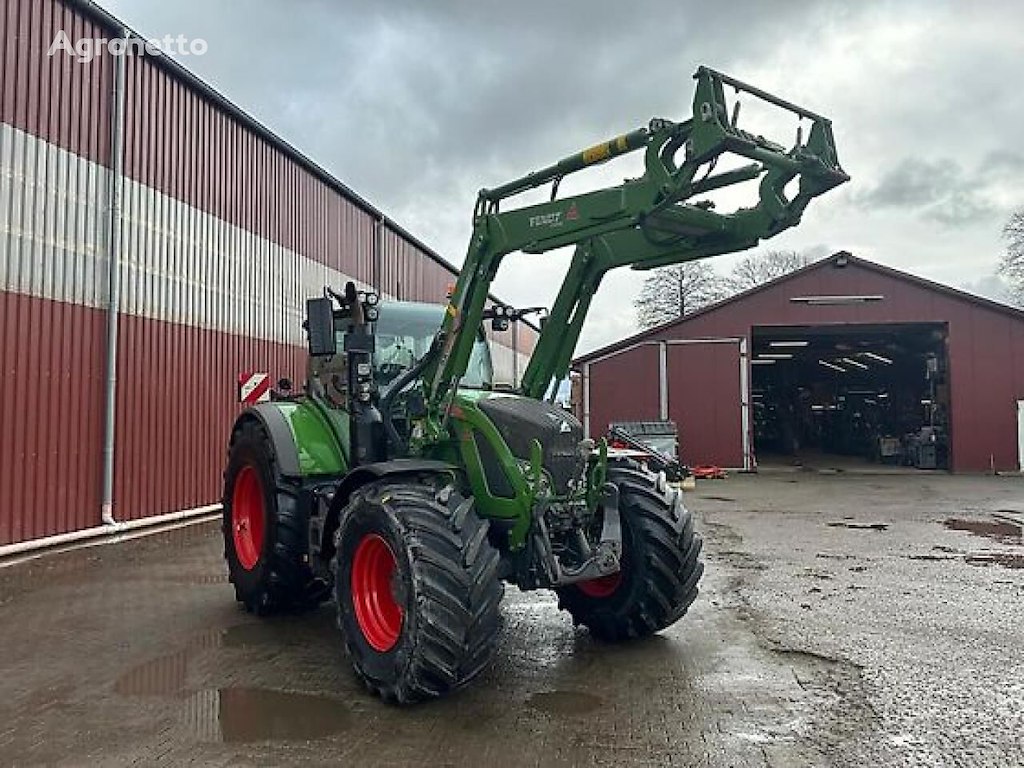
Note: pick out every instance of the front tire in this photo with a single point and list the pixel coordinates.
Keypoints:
(417, 589)
(660, 567)
(264, 529)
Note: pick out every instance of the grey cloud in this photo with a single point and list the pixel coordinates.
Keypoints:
(990, 287)
(417, 105)
(913, 183)
(962, 207)
(938, 190)
(378, 92)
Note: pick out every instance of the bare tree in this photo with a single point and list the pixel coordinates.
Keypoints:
(1011, 265)
(758, 268)
(677, 290)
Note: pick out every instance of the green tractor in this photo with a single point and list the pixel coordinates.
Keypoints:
(401, 483)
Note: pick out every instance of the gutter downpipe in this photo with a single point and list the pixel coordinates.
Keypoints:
(114, 281)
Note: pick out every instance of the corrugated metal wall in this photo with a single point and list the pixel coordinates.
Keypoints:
(225, 231)
(65, 102)
(702, 395)
(623, 387)
(706, 402)
(54, 144)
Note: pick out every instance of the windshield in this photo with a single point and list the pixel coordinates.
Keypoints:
(404, 334)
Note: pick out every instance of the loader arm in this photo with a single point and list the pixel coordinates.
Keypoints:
(643, 223)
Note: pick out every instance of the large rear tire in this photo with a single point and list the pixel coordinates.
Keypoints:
(264, 529)
(660, 563)
(417, 588)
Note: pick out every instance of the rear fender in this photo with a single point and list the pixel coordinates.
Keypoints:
(305, 442)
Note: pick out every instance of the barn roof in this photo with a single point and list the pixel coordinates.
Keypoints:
(831, 261)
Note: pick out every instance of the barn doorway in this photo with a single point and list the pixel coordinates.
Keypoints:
(851, 395)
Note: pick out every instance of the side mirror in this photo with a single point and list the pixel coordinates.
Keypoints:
(320, 327)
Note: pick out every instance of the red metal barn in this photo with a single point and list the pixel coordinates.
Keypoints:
(842, 357)
(155, 241)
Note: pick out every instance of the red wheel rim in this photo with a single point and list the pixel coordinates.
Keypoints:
(247, 517)
(378, 613)
(603, 586)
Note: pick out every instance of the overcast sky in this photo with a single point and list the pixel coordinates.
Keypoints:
(417, 105)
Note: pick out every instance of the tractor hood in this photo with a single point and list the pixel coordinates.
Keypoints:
(520, 420)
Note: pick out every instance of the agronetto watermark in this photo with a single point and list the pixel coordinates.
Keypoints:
(85, 49)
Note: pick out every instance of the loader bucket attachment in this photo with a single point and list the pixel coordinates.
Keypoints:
(716, 130)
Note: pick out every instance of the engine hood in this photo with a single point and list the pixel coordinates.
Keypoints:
(521, 420)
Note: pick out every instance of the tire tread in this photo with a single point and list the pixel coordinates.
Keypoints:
(457, 590)
(670, 547)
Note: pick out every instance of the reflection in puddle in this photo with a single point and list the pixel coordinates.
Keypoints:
(161, 676)
(166, 675)
(1000, 530)
(565, 702)
(260, 714)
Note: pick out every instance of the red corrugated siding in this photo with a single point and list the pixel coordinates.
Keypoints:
(407, 275)
(704, 400)
(986, 347)
(624, 388)
(55, 97)
(176, 388)
(177, 400)
(527, 338)
(182, 145)
(50, 416)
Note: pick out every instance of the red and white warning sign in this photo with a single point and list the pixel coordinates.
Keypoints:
(253, 388)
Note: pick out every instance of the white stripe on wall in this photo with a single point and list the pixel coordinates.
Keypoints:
(179, 264)
(53, 208)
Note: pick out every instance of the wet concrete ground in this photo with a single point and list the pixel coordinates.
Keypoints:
(844, 620)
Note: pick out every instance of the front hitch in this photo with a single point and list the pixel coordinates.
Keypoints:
(604, 559)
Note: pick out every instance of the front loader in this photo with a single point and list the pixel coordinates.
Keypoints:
(403, 484)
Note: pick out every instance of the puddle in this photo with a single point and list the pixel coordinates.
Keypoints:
(166, 675)
(565, 702)
(162, 676)
(240, 715)
(1004, 559)
(859, 526)
(1000, 530)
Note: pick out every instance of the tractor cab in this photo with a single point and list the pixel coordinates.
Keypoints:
(404, 334)
(400, 337)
